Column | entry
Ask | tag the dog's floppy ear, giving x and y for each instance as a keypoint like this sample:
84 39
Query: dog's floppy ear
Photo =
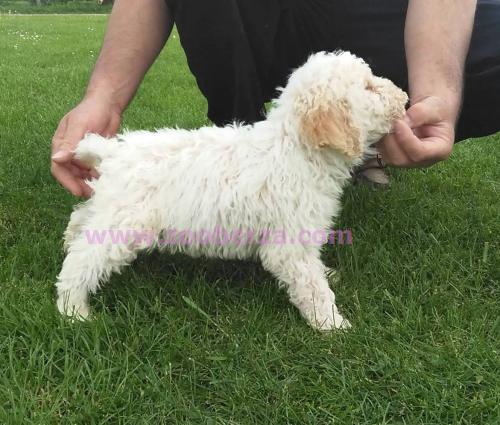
330 125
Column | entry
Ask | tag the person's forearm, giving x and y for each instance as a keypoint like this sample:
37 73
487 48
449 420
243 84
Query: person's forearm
136 33
437 37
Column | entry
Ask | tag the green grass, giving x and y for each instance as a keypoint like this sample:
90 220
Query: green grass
69 6
420 284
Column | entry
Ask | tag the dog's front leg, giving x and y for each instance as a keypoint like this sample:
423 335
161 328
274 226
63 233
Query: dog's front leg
304 275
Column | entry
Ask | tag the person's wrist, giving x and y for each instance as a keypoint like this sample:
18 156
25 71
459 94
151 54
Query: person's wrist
105 94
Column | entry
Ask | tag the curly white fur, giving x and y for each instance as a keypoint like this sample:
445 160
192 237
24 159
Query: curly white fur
284 173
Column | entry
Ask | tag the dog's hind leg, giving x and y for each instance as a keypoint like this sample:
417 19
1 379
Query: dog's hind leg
76 222
303 274
101 248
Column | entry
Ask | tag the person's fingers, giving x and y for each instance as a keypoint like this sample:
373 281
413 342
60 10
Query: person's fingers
437 148
391 153
88 116
422 113
63 155
72 178
77 171
93 173
422 138
86 190
81 177
420 152
64 176
407 141
66 139
80 164
90 172
61 151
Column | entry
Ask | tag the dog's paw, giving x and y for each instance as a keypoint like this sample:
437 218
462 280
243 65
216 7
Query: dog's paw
344 323
330 323
323 315
74 310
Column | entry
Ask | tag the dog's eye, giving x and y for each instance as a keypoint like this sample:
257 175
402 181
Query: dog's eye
371 87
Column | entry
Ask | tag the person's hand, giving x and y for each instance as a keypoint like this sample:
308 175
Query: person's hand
425 135
94 115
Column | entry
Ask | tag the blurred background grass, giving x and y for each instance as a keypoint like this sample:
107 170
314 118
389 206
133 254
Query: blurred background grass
53 6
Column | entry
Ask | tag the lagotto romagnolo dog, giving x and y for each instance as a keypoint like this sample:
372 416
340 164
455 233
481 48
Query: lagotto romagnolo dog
285 173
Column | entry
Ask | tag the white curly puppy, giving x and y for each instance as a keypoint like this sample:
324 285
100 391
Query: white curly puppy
285 173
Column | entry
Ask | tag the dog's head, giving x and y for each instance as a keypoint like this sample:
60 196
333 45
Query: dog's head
335 102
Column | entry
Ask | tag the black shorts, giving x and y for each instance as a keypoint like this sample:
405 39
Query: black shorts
241 50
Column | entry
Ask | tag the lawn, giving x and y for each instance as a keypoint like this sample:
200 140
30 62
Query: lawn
50 6
177 340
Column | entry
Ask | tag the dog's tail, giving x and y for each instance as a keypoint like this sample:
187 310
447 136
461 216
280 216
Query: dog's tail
93 149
